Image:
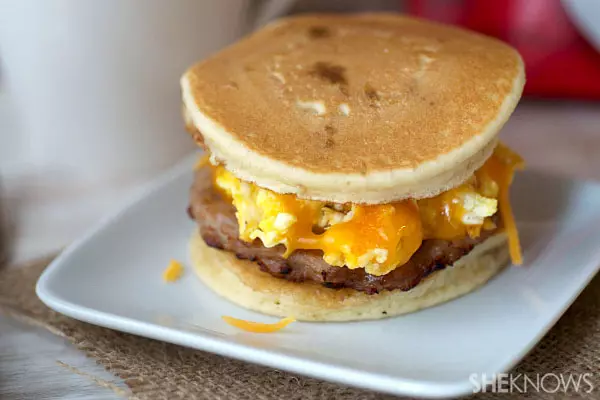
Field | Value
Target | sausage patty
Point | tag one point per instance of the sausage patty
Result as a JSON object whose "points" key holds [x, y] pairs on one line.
{"points": [[218, 226]]}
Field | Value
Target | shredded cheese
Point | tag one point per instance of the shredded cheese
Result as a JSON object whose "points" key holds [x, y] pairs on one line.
{"points": [[258, 327], [202, 161], [503, 168], [508, 218], [173, 271], [510, 227]]}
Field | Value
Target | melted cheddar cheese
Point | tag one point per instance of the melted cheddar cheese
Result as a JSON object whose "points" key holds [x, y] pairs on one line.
{"points": [[173, 271], [258, 327], [379, 237], [500, 168], [202, 161]]}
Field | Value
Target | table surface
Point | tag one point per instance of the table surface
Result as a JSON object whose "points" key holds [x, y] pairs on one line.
{"points": [[562, 138]]}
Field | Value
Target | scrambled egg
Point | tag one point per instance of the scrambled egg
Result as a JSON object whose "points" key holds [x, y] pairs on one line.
{"points": [[378, 237], [259, 212]]}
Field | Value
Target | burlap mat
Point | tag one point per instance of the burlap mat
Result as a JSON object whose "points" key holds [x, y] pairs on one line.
{"points": [[156, 370]]}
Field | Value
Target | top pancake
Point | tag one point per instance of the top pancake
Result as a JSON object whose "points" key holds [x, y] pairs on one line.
{"points": [[363, 108]]}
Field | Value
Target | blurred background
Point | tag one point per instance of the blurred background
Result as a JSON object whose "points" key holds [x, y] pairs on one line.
{"points": [[90, 106]]}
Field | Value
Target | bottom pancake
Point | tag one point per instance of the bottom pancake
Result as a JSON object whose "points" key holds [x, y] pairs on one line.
{"points": [[241, 282]]}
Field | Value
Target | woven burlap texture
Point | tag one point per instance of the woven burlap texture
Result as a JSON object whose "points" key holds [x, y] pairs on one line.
{"points": [[157, 370]]}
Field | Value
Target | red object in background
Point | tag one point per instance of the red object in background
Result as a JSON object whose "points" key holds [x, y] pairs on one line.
{"points": [[559, 61]]}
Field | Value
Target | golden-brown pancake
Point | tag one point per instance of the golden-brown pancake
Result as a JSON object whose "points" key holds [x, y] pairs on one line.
{"points": [[364, 108]]}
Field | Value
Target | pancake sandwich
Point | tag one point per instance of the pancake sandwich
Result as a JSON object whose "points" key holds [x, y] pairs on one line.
{"points": [[352, 168]]}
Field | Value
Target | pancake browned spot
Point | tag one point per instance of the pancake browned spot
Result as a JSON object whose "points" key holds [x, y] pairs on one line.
{"points": [[331, 73], [329, 131], [334, 74], [318, 32], [372, 95], [371, 92]]}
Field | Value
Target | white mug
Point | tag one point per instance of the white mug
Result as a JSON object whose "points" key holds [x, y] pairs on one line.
{"points": [[96, 83], [90, 105]]}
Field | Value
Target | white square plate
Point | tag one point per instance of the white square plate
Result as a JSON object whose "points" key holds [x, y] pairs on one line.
{"points": [[113, 277]]}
